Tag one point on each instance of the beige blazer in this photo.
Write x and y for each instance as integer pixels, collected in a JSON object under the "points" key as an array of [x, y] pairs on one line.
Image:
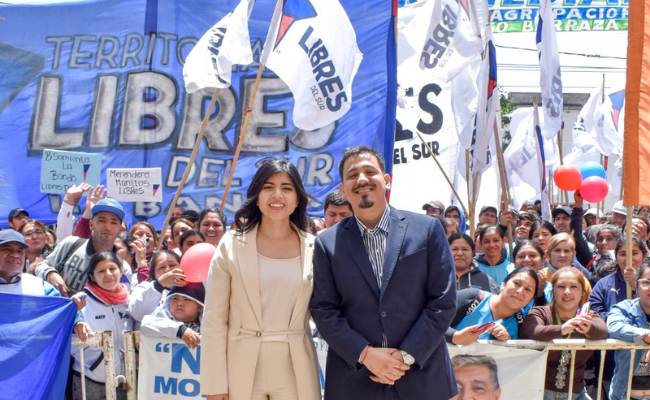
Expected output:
{"points": [[231, 333]]}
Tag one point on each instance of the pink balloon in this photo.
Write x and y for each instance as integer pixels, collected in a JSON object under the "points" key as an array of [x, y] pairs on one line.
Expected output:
{"points": [[594, 189], [567, 178], [195, 263]]}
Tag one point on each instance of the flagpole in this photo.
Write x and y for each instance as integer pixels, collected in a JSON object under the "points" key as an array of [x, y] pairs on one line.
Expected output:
{"points": [[505, 187], [242, 135], [564, 199], [628, 245], [190, 164], [470, 197], [433, 156], [601, 205]]}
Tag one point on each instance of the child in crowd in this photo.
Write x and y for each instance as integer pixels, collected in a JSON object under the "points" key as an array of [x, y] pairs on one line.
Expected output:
{"points": [[179, 316], [106, 303]]}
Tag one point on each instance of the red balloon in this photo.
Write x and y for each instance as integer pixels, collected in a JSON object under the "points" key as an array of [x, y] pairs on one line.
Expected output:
{"points": [[594, 189], [567, 178], [195, 263]]}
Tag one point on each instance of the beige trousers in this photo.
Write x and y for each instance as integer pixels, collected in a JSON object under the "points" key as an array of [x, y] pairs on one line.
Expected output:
{"points": [[275, 378]]}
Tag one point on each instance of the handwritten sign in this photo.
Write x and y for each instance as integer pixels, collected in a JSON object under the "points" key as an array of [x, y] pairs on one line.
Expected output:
{"points": [[134, 184], [62, 169]]}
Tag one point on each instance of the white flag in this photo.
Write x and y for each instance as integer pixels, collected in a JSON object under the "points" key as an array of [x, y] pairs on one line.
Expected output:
{"points": [[583, 147], [209, 64], [312, 47], [520, 158], [609, 130], [549, 65], [452, 40], [541, 164]]}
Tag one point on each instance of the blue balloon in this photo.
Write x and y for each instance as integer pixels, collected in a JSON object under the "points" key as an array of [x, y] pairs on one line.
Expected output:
{"points": [[592, 168]]}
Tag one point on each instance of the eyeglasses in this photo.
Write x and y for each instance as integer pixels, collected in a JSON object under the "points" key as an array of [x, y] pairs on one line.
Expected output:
{"points": [[33, 233], [643, 283]]}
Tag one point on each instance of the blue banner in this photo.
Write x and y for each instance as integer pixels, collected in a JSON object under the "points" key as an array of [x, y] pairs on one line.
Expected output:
{"points": [[35, 334], [105, 76]]}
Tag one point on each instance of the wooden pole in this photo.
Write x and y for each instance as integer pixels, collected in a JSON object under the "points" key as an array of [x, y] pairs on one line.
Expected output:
{"points": [[601, 205], [470, 199], [190, 164], [451, 185], [505, 187], [242, 135], [564, 199]]}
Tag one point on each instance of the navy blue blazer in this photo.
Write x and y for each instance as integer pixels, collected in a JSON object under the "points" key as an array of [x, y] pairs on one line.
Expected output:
{"points": [[413, 308]]}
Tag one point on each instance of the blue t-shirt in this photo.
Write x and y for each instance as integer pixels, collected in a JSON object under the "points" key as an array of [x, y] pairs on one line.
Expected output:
{"points": [[482, 314], [497, 272]]}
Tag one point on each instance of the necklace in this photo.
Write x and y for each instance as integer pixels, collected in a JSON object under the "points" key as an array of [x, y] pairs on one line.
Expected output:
{"points": [[565, 358], [270, 238]]}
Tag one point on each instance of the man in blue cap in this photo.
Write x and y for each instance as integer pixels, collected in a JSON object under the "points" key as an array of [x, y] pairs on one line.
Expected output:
{"points": [[65, 266], [12, 260]]}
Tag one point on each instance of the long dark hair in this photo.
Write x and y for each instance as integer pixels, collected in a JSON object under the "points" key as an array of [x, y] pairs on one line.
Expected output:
{"points": [[99, 257], [249, 215], [541, 224], [524, 270], [154, 260]]}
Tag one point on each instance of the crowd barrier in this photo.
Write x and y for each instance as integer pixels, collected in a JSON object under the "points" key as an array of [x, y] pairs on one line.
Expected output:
{"points": [[132, 343], [104, 340]]}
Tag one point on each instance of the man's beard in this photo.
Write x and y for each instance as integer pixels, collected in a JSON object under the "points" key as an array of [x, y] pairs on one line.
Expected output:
{"points": [[366, 202]]}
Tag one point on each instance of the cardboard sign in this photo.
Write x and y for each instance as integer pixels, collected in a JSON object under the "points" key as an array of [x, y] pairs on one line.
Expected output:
{"points": [[62, 169], [134, 184]]}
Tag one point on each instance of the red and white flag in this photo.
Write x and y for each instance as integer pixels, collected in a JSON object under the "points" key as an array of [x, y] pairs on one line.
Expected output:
{"points": [[312, 47], [209, 64]]}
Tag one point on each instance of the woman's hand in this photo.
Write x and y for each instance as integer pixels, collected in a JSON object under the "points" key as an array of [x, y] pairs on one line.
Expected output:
{"points": [[629, 274], [542, 283], [584, 322], [83, 331], [80, 300], [139, 247], [500, 332], [191, 338], [217, 397], [465, 336], [173, 278]]}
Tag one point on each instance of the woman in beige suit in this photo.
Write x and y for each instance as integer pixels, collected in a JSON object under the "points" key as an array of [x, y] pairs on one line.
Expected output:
{"points": [[256, 342]]}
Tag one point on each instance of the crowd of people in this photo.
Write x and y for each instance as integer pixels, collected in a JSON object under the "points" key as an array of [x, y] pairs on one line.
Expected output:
{"points": [[375, 282]]}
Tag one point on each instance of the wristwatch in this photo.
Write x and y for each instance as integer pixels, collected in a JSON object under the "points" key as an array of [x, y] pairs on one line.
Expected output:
{"points": [[408, 359]]}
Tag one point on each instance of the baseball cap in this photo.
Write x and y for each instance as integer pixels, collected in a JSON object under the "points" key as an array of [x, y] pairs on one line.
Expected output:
{"points": [[593, 211], [619, 208], [109, 205], [434, 204], [16, 212], [562, 209], [488, 208], [10, 235]]}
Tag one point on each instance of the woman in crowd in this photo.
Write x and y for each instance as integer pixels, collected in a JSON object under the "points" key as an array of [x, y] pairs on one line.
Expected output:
{"points": [[561, 252], [628, 321], [107, 298], [255, 331], [493, 262], [612, 289], [189, 239], [146, 231], [177, 228], [164, 275], [475, 308], [467, 275], [528, 253], [212, 224], [603, 262], [562, 319], [35, 234], [541, 232]]}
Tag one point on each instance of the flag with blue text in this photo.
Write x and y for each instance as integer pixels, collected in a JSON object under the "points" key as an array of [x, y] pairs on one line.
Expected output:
{"points": [[209, 64], [454, 38], [312, 47], [35, 333], [550, 75]]}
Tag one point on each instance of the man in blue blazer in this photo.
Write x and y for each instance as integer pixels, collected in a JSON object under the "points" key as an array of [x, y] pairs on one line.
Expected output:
{"points": [[384, 294]]}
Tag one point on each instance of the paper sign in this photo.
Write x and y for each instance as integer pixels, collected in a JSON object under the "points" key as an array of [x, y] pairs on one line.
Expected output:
{"points": [[134, 184], [62, 169]]}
